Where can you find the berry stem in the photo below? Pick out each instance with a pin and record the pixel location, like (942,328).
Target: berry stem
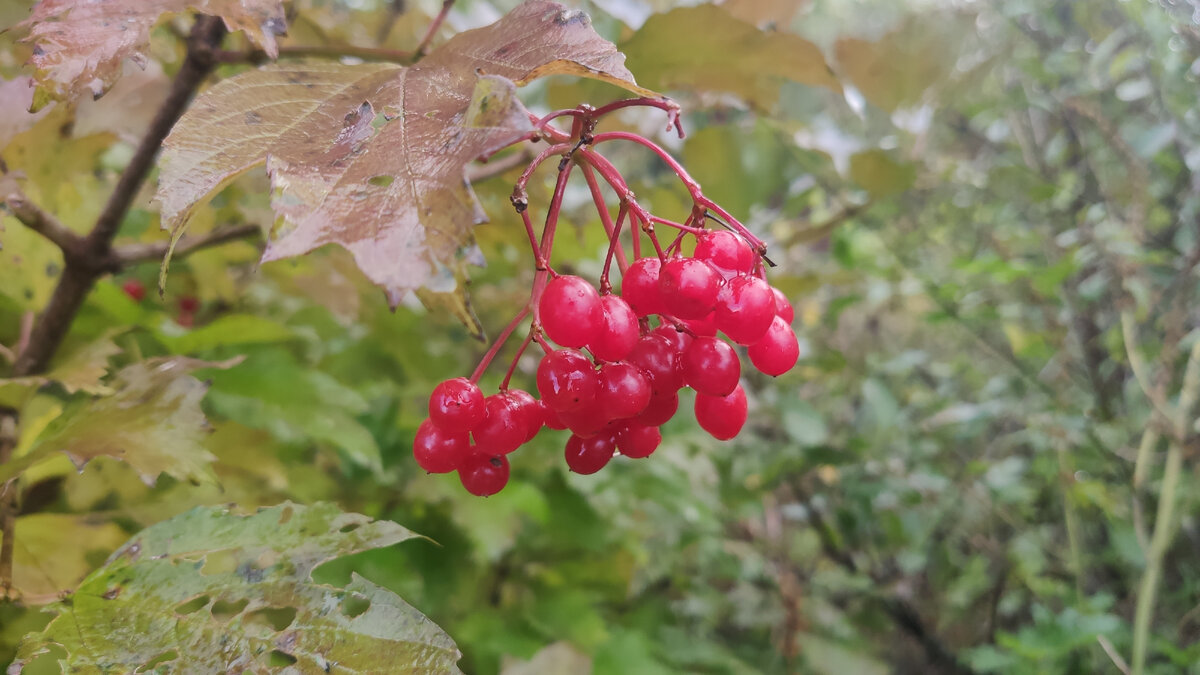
(692,186)
(512,367)
(547,244)
(500,339)
(613,233)
(614,246)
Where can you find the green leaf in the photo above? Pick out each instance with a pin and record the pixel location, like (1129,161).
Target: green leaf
(733,56)
(235,329)
(213,591)
(880,175)
(53,551)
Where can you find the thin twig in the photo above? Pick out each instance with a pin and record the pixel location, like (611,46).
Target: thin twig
(35,218)
(482,172)
(258,56)
(423,48)
(1113,654)
(130,254)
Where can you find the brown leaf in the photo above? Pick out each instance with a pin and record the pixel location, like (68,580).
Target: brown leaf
(16,95)
(372,156)
(78,45)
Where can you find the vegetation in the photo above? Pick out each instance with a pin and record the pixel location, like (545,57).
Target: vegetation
(984,215)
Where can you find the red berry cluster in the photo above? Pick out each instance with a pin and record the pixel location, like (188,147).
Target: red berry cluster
(643,345)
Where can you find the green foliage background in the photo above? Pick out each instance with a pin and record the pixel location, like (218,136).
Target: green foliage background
(950,467)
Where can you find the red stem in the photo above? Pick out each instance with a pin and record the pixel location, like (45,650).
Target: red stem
(512,367)
(491,352)
(614,246)
(598,198)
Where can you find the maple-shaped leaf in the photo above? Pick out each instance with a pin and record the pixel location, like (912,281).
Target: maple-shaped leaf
(152,421)
(372,156)
(79,45)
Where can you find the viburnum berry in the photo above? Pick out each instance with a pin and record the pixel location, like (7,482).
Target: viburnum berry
(659,360)
(624,390)
(528,410)
(456,404)
(783,307)
(484,475)
(589,455)
(725,251)
(586,422)
(661,408)
(777,351)
(566,380)
(189,304)
(703,327)
(637,441)
(503,428)
(639,286)
(745,309)
(439,450)
(689,287)
(570,311)
(722,416)
(135,289)
(679,339)
(618,330)
(710,366)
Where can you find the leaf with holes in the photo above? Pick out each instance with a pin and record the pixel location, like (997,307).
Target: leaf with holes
(223,592)
(152,420)
(79,45)
(372,156)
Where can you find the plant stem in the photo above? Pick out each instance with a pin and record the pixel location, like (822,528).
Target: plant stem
(512,367)
(423,48)
(500,339)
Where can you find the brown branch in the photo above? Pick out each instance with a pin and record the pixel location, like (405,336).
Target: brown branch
(131,254)
(423,48)
(8,503)
(258,56)
(32,216)
(482,172)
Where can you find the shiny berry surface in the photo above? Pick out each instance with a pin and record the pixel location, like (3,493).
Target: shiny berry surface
(689,287)
(640,286)
(589,455)
(722,416)
(502,430)
(624,390)
(483,475)
(745,309)
(710,366)
(439,450)
(570,311)
(618,330)
(725,251)
(637,441)
(777,351)
(566,380)
(456,404)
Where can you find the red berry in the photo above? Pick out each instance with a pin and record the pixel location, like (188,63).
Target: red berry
(569,311)
(777,351)
(689,287)
(679,339)
(589,455)
(188,304)
(483,475)
(503,428)
(439,450)
(710,366)
(654,355)
(624,390)
(529,412)
(722,416)
(135,289)
(661,408)
(705,327)
(639,287)
(586,422)
(783,307)
(726,251)
(618,330)
(637,441)
(745,308)
(566,380)
(456,404)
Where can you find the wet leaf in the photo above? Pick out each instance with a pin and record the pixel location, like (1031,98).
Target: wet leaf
(372,156)
(153,421)
(79,45)
(53,552)
(223,592)
(666,54)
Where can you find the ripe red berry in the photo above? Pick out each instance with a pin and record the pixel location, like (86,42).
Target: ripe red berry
(503,428)
(569,311)
(679,339)
(639,287)
(783,307)
(624,390)
(586,422)
(689,287)
(618,330)
(456,404)
(589,455)
(637,441)
(528,410)
(710,366)
(439,450)
(135,289)
(726,251)
(483,475)
(654,355)
(745,309)
(777,351)
(188,304)
(662,407)
(566,380)
(722,416)
(704,327)
(554,419)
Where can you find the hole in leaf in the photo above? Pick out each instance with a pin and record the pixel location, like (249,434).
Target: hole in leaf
(382,181)
(354,604)
(224,610)
(278,618)
(350,528)
(169,655)
(219,562)
(193,605)
(278,659)
(44,663)
(286,515)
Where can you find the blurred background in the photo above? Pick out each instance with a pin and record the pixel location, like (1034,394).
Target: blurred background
(986,215)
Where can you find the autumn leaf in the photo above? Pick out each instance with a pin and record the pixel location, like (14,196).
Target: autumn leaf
(54,550)
(152,421)
(16,95)
(215,591)
(79,45)
(705,48)
(372,156)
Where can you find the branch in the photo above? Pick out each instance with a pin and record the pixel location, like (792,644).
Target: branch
(481,172)
(131,254)
(258,56)
(423,48)
(32,216)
